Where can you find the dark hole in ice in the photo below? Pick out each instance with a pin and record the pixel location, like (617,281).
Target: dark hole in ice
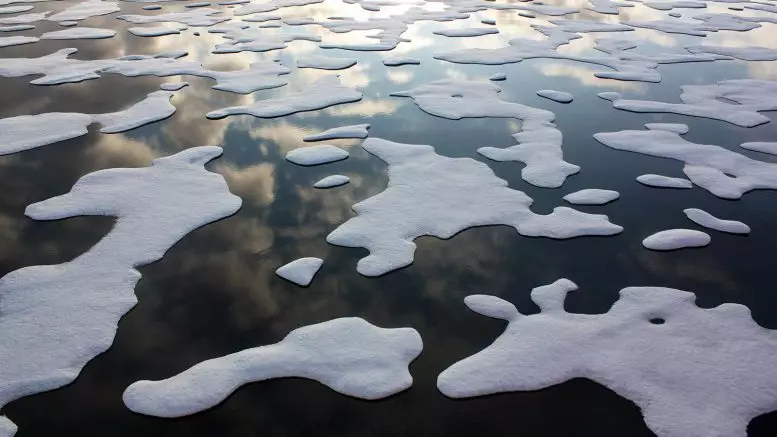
(657,321)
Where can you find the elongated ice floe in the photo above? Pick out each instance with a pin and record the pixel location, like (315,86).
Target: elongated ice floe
(300,271)
(648,348)
(497,77)
(673,239)
(156,30)
(720,171)
(59,317)
(556,96)
(84,10)
(703,218)
(80,33)
(325,62)
(748,97)
(539,142)
(7,41)
(677,128)
(348,355)
(16,27)
(399,61)
(272,5)
(203,17)
(240,37)
(745,53)
(763,147)
(326,92)
(467,32)
(29,131)
(332,181)
(316,155)
(353,131)
(660,181)
(608,6)
(15,9)
(591,196)
(429,194)
(25,18)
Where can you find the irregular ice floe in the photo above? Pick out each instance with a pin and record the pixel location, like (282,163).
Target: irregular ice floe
(498,77)
(660,181)
(56,318)
(710,23)
(29,131)
(584,26)
(556,96)
(677,128)
(735,101)
(194,18)
(353,131)
(348,355)
(196,5)
(720,171)
(261,18)
(325,62)
(240,38)
(7,41)
(316,155)
(332,181)
(398,61)
(25,19)
(156,30)
(745,53)
(539,142)
(173,86)
(326,92)
(669,5)
(68,23)
(84,10)
(300,271)
(608,6)
(15,9)
(272,5)
(703,218)
(591,196)
(429,194)
(466,32)
(16,28)
(80,33)
(649,347)
(673,239)
(763,147)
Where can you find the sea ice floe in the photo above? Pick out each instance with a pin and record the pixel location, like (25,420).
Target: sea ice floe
(709,23)
(673,239)
(429,194)
(157,30)
(348,355)
(467,32)
(720,171)
(240,37)
(650,348)
(672,4)
(196,5)
(556,96)
(16,27)
(29,131)
(300,271)
(498,77)
(7,41)
(272,5)
(68,23)
(194,18)
(677,128)
(763,147)
(152,8)
(332,181)
(703,218)
(539,142)
(173,86)
(15,9)
(608,6)
(749,53)
(352,131)
(25,18)
(584,26)
(591,196)
(325,62)
(80,33)
(84,10)
(316,155)
(56,318)
(489,21)
(660,181)
(735,101)
(326,92)
(398,61)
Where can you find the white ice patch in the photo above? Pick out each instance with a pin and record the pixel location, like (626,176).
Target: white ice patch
(325,62)
(156,30)
(556,96)
(80,33)
(591,196)
(326,92)
(196,5)
(240,37)
(87,9)
(467,32)
(649,347)
(16,28)
(272,5)
(194,18)
(763,147)
(489,21)
(25,19)
(677,128)
(300,271)
(660,181)
(151,7)
(353,131)
(316,155)
(56,318)
(749,53)
(539,142)
(398,61)
(498,77)
(703,218)
(332,181)
(669,5)
(673,239)
(608,6)
(348,355)
(7,41)
(429,194)
(29,131)
(720,171)
(15,9)
(735,101)
(173,86)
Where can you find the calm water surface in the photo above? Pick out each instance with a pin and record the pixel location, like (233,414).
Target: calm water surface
(215,292)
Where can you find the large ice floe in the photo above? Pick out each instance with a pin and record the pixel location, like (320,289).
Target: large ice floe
(353,131)
(539,142)
(84,10)
(720,171)
(203,17)
(735,101)
(703,218)
(29,131)
(348,355)
(429,194)
(241,37)
(694,372)
(56,318)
